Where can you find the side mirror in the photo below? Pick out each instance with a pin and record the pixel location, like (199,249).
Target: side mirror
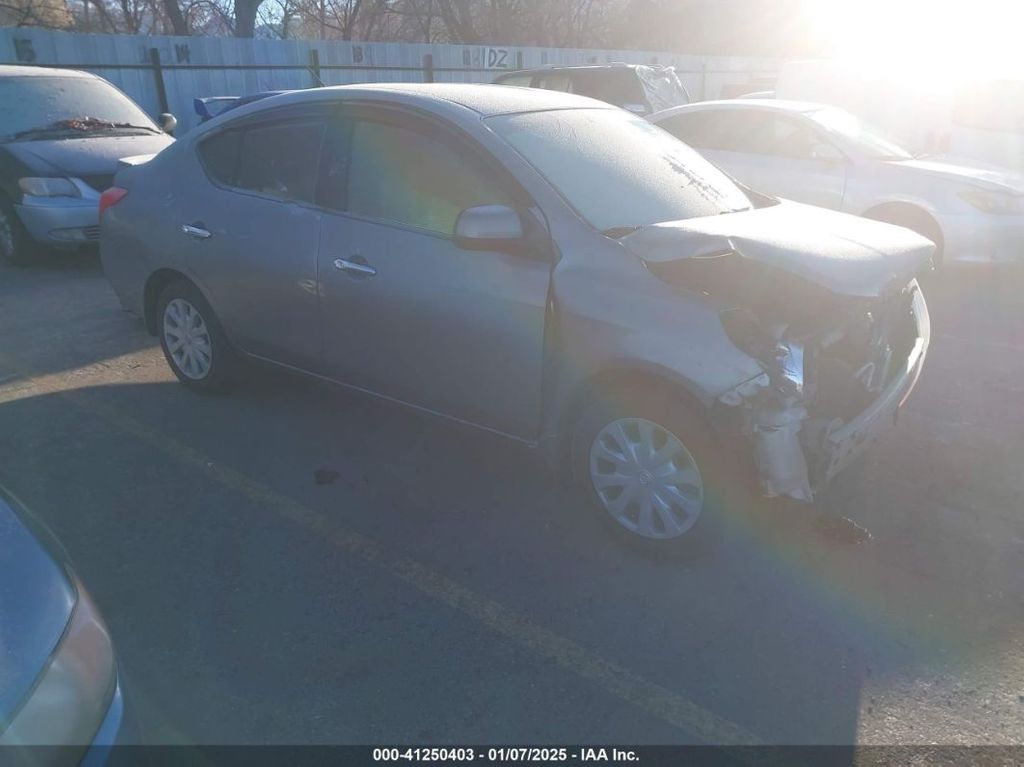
(490,227)
(168,122)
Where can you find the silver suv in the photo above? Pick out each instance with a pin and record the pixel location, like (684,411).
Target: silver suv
(535,264)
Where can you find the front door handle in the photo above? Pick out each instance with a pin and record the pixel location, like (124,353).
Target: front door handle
(355,268)
(195,231)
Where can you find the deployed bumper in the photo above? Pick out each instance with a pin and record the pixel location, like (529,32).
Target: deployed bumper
(841,446)
(796,455)
(59,221)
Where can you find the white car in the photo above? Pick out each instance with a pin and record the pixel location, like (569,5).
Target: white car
(826,156)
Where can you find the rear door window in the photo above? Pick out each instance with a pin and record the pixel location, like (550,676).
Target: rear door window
(281,159)
(698,129)
(753,131)
(613,86)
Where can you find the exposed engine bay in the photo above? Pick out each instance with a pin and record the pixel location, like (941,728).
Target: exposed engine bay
(830,360)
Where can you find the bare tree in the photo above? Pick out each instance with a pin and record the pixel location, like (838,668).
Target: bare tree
(35,13)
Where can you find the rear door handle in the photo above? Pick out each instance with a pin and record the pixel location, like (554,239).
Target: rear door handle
(354,267)
(197,232)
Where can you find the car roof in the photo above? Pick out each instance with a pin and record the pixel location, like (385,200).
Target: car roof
(18,70)
(776,105)
(484,99)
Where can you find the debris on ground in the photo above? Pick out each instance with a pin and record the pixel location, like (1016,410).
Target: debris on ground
(325,476)
(841,530)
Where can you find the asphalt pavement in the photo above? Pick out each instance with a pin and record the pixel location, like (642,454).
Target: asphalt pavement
(292,563)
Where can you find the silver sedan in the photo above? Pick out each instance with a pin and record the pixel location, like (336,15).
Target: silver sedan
(826,156)
(535,264)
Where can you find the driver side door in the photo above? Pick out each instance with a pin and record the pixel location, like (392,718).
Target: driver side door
(405,312)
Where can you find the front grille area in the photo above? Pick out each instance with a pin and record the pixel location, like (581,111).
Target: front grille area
(100,183)
(849,372)
(92,233)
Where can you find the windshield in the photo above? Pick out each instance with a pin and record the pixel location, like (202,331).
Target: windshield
(64,104)
(868,139)
(617,170)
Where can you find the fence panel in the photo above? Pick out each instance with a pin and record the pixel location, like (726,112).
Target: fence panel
(193,67)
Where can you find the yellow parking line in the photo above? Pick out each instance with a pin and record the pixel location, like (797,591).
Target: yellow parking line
(651,698)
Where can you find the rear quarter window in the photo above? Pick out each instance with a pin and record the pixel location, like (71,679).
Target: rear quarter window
(281,160)
(219,155)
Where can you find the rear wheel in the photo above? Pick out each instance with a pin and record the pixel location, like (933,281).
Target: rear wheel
(649,468)
(17,248)
(192,340)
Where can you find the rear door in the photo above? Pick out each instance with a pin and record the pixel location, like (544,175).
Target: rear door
(778,154)
(407,313)
(255,233)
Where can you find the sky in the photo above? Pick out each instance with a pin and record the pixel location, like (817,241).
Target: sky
(934,38)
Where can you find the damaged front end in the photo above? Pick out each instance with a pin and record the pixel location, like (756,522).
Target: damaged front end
(835,381)
(837,368)
(837,365)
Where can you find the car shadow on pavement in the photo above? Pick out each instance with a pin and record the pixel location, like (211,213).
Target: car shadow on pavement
(60,315)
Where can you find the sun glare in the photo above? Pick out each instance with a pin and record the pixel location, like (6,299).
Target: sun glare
(936,41)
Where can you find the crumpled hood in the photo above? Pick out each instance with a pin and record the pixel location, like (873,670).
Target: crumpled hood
(976,174)
(841,253)
(36,601)
(86,156)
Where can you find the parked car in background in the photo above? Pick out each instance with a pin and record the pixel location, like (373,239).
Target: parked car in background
(211,106)
(57,667)
(61,135)
(536,264)
(828,157)
(976,119)
(636,87)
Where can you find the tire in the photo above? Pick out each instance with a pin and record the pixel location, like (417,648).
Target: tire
(693,520)
(17,248)
(192,339)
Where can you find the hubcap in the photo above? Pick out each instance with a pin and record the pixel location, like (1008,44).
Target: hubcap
(646,478)
(187,339)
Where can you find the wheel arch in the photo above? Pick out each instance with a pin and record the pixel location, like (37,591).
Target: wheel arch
(913,216)
(155,284)
(614,381)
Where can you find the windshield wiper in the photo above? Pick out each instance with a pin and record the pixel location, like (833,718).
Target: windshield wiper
(81,125)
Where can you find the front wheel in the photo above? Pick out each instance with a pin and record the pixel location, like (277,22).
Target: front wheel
(649,469)
(193,343)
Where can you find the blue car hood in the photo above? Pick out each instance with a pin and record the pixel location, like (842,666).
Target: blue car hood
(85,156)
(36,602)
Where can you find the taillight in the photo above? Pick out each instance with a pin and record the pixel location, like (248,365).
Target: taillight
(111,197)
